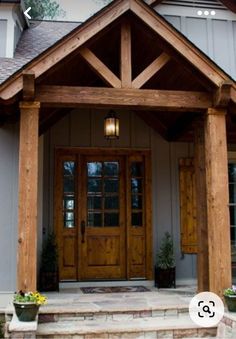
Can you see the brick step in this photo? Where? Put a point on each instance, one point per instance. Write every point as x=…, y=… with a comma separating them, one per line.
x=171, y=327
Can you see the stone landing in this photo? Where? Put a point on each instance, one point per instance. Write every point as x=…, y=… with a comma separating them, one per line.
x=146, y=315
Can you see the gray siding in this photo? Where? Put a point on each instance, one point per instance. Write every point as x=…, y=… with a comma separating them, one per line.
x=3, y=37
x=17, y=34
x=85, y=129
x=8, y=206
x=216, y=38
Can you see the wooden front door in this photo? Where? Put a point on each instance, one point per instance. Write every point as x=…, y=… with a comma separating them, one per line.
x=102, y=214
x=102, y=226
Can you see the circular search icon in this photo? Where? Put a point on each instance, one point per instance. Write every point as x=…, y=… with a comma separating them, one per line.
x=206, y=309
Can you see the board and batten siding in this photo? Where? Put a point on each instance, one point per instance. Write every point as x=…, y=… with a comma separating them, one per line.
x=3, y=37
x=215, y=36
x=9, y=145
x=84, y=128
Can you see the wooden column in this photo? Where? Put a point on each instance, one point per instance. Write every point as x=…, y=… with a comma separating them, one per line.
x=217, y=195
x=28, y=184
x=201, y=206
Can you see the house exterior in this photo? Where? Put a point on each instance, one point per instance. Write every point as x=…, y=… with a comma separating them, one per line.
x=169, y=74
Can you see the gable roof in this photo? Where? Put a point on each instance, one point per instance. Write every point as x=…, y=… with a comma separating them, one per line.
x=33, y=42
x=43, y=58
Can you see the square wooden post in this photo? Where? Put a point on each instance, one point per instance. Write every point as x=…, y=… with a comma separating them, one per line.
x=201, y=206
x=28, y=185
x=217, y=194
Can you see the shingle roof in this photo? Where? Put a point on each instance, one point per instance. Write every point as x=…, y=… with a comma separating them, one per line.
x=32, y=43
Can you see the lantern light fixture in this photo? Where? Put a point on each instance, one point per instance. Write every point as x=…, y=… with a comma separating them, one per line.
x=111, y=126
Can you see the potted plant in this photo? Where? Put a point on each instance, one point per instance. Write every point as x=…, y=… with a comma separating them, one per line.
x=27, y=304
x=165, y=265
x=49, y=265
x=230, y=298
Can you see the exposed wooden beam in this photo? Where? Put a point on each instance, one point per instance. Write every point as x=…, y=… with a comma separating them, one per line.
x=233, y=93
x=68, y=96
x=201, y=206
x=28, y=184
x=178, y=42
x=222, y=95
x=125, y=58
x=100, y=68
x=217, y=191
x=230, y=4
x=28, y=85
x=151, y=119
x=152, y=69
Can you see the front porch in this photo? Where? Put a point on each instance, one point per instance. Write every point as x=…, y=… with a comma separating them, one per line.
x=171, y=100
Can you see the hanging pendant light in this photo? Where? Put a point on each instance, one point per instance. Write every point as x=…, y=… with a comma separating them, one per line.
x=111, y=126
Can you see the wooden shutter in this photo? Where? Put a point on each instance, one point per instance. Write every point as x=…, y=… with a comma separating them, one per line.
x=188, y=220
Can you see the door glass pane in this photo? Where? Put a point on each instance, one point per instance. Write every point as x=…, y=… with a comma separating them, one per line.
x=111, y=185
x=94, y=203
x=69, y=168
x=69, y=224
x=111, y=169
x=94, y=186
x=103, y=194
x=232, y=193
x=69, y=216
x=69, y=184
x=232, y=173
x=111, y=219
x=137, y=202
x=95, y=219
x=112, y=202
x=68, y=201
x=137, y=219
x=94, y=169
x=69, y=204
x=232, y=210
x=136, y=185
x=137, y=169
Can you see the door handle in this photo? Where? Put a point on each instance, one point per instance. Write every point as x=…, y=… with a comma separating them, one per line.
x=83, y=231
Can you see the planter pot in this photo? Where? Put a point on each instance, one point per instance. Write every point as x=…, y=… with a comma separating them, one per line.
x=165, y=278
x=230, y=301
x=26, y=311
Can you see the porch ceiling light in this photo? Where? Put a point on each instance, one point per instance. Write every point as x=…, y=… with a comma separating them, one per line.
x=111, y=126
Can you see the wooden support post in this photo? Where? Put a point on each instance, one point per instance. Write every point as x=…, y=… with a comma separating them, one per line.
x=28, y=184
x=126, y=60
x=217, y=201
x=201, y=206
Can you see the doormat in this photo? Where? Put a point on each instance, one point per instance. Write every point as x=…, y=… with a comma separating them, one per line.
x=114, y=289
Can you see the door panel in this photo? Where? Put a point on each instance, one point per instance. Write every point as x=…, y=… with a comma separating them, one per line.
x=136, y=216
x=103, y=250
x=65, y=216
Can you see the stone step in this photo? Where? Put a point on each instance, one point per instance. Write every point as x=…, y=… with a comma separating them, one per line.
x=148, y=328
x=107, y=307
